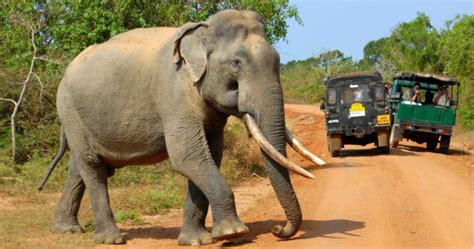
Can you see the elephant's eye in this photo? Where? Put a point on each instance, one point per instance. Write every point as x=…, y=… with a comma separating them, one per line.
x=233, y=86
x=236, y=66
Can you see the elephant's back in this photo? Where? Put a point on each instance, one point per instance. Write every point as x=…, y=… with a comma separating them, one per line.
x=109, y=92
x=145, y=42
x=125, y=68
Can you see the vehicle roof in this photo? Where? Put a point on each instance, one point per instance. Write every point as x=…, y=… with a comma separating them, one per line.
x=334, y=79
x=427, y=78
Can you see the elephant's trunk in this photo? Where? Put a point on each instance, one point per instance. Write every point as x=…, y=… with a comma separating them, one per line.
x=271, y=120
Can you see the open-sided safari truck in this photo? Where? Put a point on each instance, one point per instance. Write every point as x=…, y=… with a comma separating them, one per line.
x=355, y=108
x=427, y=116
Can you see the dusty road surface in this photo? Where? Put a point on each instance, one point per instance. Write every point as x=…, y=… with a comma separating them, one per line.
x=410, y=198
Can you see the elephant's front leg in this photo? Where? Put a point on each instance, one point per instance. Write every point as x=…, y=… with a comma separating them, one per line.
x=190, y=155
x=193, y=231
x=95, y=176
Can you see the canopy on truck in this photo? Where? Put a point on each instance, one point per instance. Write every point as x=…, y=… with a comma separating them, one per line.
x=427, y=78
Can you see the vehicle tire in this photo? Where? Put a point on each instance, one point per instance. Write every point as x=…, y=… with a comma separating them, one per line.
x=393, y=140
x=444, y=144
x=431, y=144
x=382, y=139
x=382, y=142
x=335, y=144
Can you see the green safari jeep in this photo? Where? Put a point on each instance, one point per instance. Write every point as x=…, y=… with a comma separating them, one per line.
x=423, y=109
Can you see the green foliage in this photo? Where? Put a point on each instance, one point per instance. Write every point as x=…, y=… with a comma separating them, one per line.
x=373, y=50
x=170, y=193
x=242, y=156
x=89, y=226
x=303, y=81
x=414, y=45
x=457, y=52
x=65, y=28
x=129, y=215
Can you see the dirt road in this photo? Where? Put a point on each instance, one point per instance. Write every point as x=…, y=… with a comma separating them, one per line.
x=410, y=198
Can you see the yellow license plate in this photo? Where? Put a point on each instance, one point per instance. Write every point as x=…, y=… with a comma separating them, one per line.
x=383, y=119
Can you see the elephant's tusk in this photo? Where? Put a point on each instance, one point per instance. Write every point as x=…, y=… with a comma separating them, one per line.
x=302, y=150
x=270, y=150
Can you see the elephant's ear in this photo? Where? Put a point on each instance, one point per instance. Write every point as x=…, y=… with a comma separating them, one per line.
x=189, y=47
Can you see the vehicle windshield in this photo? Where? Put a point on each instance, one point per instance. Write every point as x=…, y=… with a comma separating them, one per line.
x=355, y=93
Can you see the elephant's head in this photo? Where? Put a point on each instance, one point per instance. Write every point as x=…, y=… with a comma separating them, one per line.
x=237, y=72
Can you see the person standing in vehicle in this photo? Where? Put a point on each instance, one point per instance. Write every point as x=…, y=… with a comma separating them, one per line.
x=442, y=97
x=413, y=94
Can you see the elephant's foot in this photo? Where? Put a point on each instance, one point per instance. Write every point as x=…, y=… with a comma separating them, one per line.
x=66, y=227
x=109, y=237
x=229, y=229
x=194, y=237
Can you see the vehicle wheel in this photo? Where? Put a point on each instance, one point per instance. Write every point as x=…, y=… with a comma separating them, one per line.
x=335, y=144
x=382, y=139
x=382, y=142
x=444, y=144
x=431, y=144
x=394, y=137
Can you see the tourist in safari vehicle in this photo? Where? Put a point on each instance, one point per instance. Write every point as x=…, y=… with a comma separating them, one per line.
x=423, y=109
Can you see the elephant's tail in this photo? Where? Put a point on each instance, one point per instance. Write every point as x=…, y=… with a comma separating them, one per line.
x=59, y=155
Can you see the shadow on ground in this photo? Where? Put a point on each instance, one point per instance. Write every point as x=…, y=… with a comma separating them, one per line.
x=422, y=148
x=310, y=229
x=372, y=152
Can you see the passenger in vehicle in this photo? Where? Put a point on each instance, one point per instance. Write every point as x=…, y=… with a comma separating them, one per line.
x=442, y=97
x=413, y=94
x=428, y=97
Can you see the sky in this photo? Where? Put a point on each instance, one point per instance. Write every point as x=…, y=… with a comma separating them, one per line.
x=348, y=25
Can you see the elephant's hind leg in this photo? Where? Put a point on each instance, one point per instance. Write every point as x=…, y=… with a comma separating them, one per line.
x=95, y=176
x=65, y=218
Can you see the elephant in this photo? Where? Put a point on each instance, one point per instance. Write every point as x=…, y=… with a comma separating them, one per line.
x=152, y=94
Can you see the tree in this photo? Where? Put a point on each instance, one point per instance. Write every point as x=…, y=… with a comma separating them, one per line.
x=457, y=52
x=413, y=46
x=333, y=61
x=373, y=51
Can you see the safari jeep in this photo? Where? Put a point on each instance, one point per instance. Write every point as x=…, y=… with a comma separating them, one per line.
x=429, y=119
x=355, y=109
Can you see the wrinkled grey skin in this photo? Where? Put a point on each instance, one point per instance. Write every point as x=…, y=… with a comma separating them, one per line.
x=152, y=94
